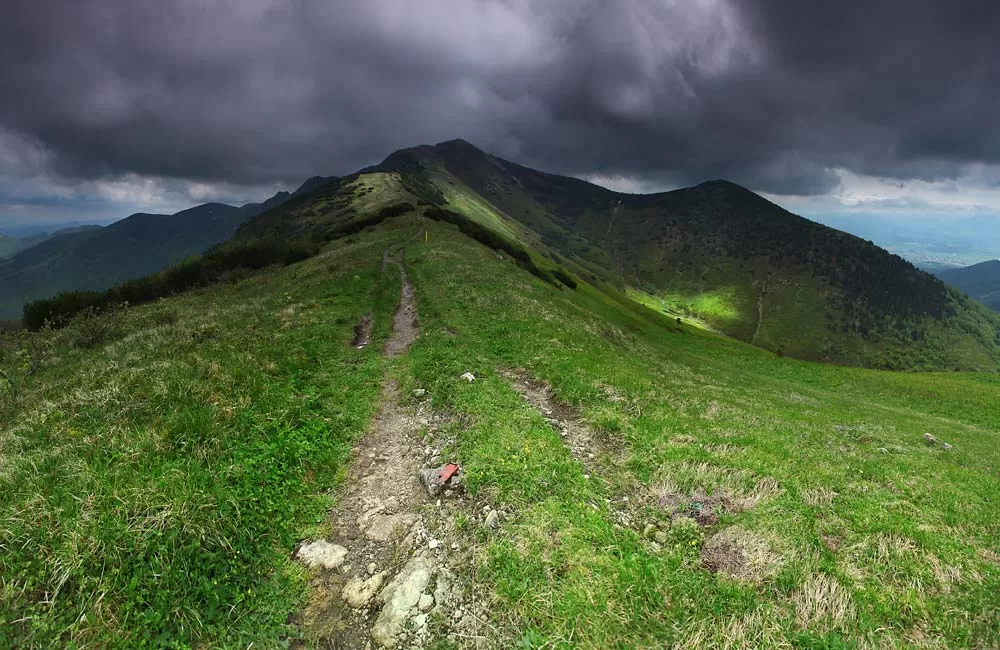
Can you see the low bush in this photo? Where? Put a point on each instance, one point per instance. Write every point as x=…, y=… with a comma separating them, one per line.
x=375, y=218
x=564, y=277
x=92, y=328
x=216, y=265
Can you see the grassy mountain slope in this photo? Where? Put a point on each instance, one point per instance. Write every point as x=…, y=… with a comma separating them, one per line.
x=981, y=281
x=727, y=257
x=97, y=258
x=155, y=480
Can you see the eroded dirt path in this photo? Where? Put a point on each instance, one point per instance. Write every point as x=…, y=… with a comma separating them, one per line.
x=651, y=512
x=575, y=433
x=405, y=326
x=388, y=575
x=760, y=313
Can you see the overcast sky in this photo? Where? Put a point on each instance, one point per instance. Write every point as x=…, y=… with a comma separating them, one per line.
x=113, y=106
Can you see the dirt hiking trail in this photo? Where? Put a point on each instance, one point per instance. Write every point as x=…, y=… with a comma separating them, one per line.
x=388, y=576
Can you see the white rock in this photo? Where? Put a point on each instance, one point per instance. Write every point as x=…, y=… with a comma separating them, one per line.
x=322, y=553
x=357, y=592
x=434, y=544
x=399, y=597
x=371, y=568
x=383, y=527
x=426, y=602
x=419, y=392
x=443, y=589
x=468, y=376
x=420, y=621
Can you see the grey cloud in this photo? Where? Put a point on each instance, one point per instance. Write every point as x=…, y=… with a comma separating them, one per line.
x=770, y=93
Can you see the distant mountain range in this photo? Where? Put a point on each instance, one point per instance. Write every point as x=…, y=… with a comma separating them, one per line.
x=11, y=244
x=99, y=257
x=981, y=281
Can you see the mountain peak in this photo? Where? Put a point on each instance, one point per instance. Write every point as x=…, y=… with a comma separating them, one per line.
x=723, y=184
x=459, y=144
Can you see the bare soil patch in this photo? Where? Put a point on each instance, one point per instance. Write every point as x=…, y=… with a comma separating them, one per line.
x=739, y=553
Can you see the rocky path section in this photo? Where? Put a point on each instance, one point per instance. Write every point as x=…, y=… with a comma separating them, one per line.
x=389, y=574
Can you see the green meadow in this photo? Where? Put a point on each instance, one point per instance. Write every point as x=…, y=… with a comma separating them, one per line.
x=158, y=465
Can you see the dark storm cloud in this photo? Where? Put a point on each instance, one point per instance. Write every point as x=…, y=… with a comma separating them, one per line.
x=769, y=93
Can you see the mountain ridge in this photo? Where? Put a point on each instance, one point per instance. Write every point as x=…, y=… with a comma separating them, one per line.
x=981, y=281
x=725, y=255
x=716, y=255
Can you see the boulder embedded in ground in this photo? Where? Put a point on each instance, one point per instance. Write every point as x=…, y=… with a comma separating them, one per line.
x=439, y=478
x=493, y=520
x=357, y=592
x=468, y=376
x=400, y=596
x=929, y=439
x=383, y=527
x=322, y=553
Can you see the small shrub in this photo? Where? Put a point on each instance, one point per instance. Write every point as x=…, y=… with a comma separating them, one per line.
x=375, y=218
x=204, y=332
x=92, y=328
x=564, y=277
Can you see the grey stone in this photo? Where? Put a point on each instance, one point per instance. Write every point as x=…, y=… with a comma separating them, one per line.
x=399, y=597
x=929, y=439
x=426, y=602
x=322, y=553
x=493, y=520
x=429, y=477
x=357, y=592
x=383, y=527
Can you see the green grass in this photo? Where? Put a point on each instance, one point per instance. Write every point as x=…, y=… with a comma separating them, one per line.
x=154, y=478
x=156, y=475
x=904, y=536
